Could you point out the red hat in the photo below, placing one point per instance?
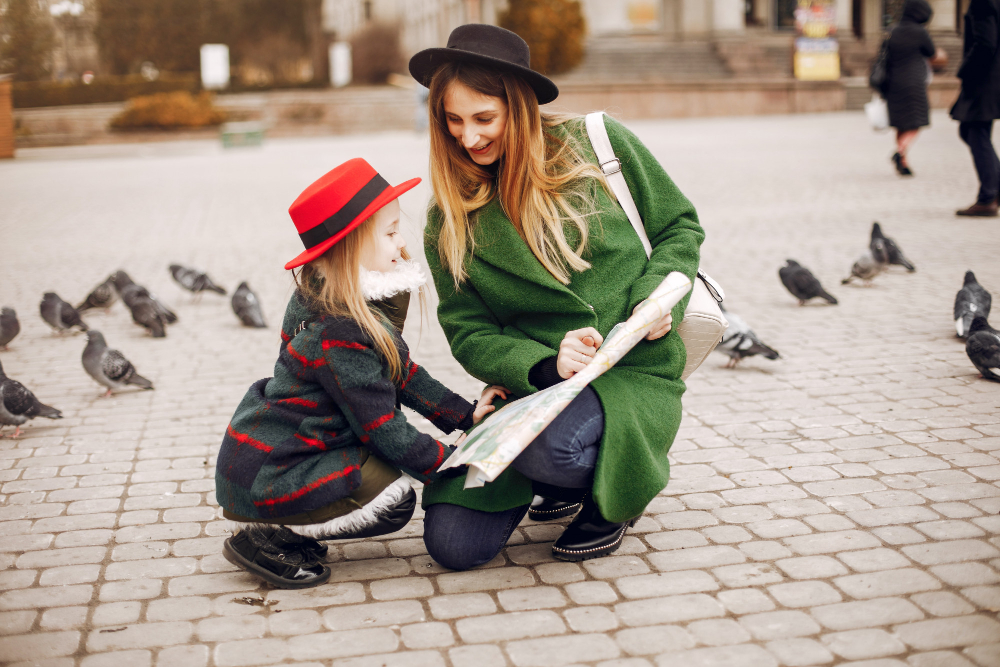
(337, 203)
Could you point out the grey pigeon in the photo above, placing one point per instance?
(18, 405)
(246, 305)
(9, 326)
(803, 285)
(109, 367)
(895, 254)
(983, 348)
(102, 296)
(60, 315)
(740, 342)
(970, 301)
(866, 268)
(146, 309)
(194, 280)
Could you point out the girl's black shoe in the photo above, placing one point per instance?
(590, 535)
(276, 555)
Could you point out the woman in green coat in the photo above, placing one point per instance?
(534, 262)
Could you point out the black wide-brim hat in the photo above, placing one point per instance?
(486, 45)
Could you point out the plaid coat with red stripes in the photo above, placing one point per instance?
(296, 441)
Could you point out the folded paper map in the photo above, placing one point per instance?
(506, 433)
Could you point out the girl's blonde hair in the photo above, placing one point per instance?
(331, 284)
(533, 188)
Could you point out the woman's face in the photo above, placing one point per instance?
(381, 251)
(477, 121)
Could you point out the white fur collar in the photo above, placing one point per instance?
(408, 276)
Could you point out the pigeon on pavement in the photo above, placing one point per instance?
(194, 280)
(970, 301)
(109, 367)
(18, 405)
(246, 305)
(153, 315)
(103, 296)
(866, 268)
(9, 326)
(740, 342)
(983, 348)
(895, 254)
(803, 285)
(60, 315)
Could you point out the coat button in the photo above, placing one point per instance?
(589, 306)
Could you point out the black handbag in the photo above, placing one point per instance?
(879, 75)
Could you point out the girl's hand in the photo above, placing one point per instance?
(577, 350)
(485, 405)
(661, 328)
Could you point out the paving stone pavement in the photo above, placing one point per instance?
(837, 506)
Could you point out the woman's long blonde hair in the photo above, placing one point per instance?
(544, 187)
(331, 285)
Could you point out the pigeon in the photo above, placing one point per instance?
(18, 405)
(133, 293)
(9, 326)
(803, 285)
(970, 301)
(109, 367)
(740, 341)
(983, 348)
(866, 268)
(60, 315)
(145, 314)
(895, 254)
(194, 280)
(103, 296)
(246, 305)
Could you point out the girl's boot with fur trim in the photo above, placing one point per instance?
(277, 555)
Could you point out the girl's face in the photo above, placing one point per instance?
(477, 121)
(381, 251)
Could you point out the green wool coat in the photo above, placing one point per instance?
(511, 314)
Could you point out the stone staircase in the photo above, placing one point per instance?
(640, 58)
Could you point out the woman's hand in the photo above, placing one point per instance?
(576, 350)
(485, 405)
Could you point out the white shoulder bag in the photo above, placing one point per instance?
(703, 324)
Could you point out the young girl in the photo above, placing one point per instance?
(316, 452)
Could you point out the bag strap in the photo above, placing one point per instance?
(612, 168)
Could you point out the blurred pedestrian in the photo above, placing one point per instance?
(979, 102)
(906, 78)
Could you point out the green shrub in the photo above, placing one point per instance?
(103, 90)
(168, 111)
(553, 29)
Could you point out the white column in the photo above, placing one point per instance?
(944, 15)
(728, 15)
(844, 23)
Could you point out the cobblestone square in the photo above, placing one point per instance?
(838, 506)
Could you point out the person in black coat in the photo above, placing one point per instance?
(906, 78)
(979, 102)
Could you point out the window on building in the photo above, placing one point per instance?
(784, 14)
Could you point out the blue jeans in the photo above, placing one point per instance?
(562, 455)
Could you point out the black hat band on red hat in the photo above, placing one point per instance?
(347, 213)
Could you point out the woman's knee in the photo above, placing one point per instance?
(451, 543)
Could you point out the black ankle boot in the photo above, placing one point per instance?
(276, 555)
(554, 502)
(546, 509)
(590, 535)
